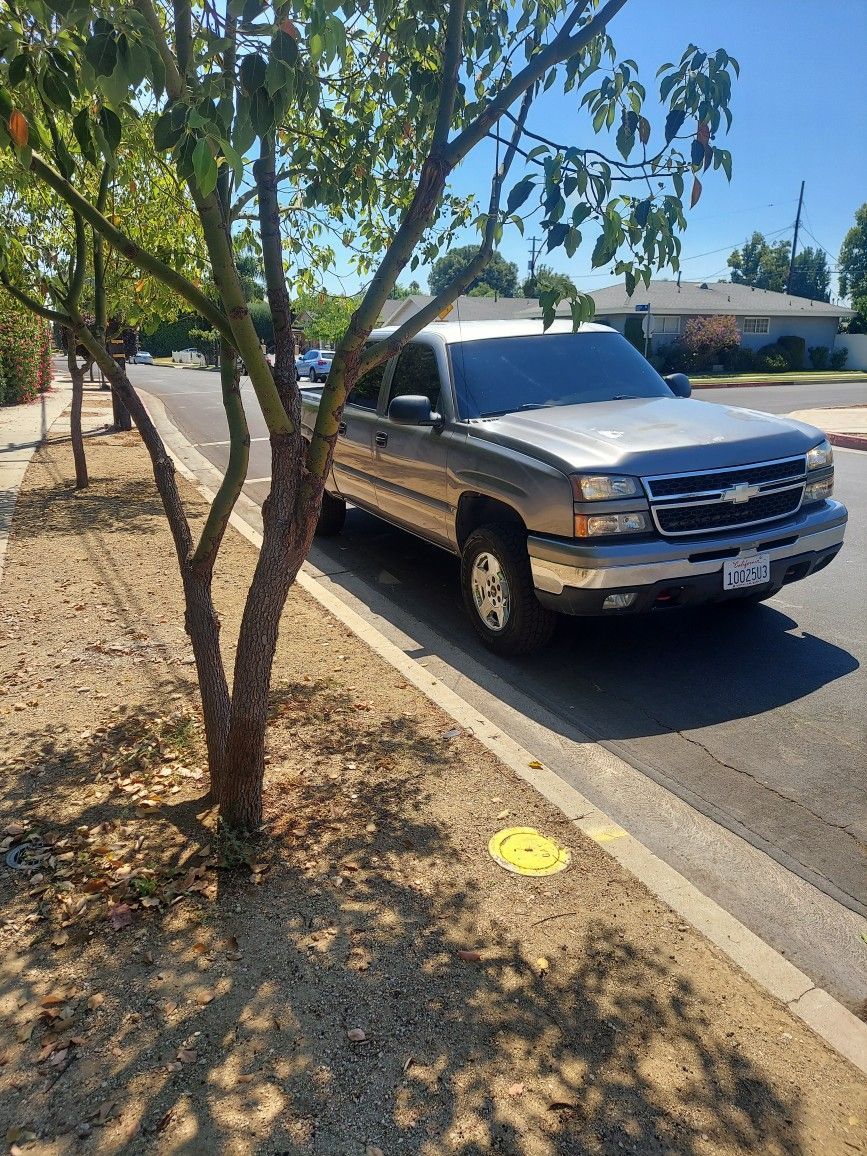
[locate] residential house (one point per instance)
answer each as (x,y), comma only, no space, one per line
(762,316)
(464,309)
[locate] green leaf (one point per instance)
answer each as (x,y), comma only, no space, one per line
(572,241)
(673,124)
(205,167)
(168,129)
(580,213)
(599,118)
(642,211)
(84,136)
(519,194)
(18,70)
(56,91)
(236,161)
(285,48)
(726,162)
(101,54)
(109,122)
(556,236)
(603,251)
(625,141)
(252,73)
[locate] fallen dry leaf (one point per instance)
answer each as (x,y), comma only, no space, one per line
(120,916)
(356,1035)
(373,1150)
(188,1055)
(95,1001)
(204,997)
(60,939)
(470,956)
(516,1089)
(246,1079)
(53,999)
(535,764)
(542,965)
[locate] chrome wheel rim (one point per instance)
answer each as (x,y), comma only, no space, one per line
(491,595)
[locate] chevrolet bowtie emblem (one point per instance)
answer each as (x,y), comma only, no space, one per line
(742,492)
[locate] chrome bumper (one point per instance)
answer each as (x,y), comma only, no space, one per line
(557,565)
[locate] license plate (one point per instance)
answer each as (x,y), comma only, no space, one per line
(742,572)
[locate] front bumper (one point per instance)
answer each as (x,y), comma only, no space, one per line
(576,577)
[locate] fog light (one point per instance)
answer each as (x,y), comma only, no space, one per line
(618,601)
(819,490)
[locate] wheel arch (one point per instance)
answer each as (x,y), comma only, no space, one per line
(476,509)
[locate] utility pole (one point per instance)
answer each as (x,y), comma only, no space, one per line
(531,265)
(795,240)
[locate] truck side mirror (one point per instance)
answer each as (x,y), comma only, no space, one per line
(413,410)
(679,385)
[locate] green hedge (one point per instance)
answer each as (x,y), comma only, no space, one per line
(25,354)
(167,336)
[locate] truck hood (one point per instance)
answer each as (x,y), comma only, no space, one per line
(648,435)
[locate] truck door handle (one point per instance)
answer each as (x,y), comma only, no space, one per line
(341,429)
(381,439)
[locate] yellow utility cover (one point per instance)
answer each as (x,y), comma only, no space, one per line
(443,313)
(526,852)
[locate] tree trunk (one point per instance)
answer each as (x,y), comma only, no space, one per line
(201,621)
(76,372)
(286,537)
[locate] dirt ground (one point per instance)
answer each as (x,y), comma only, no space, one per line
(316,1000)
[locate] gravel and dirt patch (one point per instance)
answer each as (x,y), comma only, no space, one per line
(315,999)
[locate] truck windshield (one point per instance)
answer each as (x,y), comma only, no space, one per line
(506,374)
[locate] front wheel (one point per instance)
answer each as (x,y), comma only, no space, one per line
(498,591)
(331,516)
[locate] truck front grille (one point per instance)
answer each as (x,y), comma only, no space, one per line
(719,500)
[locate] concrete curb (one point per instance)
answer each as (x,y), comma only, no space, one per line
(723,384)
(848,441)
(843,1031)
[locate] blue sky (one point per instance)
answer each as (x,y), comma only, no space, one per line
(800,113)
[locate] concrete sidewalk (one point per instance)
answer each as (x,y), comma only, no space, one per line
(846,426)
(22,429)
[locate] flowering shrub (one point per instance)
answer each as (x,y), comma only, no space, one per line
(705,342)
(25,354)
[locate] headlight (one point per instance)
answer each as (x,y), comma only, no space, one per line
(820,455)
(819,490)
(593,525)
(598,487)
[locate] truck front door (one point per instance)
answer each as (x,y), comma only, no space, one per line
(410,461)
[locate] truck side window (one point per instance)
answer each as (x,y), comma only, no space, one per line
(366,390)
(417,374)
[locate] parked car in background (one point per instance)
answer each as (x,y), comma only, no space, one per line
(142,358)
(314,364)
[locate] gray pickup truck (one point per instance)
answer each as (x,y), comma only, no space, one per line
(571,478)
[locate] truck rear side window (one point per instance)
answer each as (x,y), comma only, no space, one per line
(366,390)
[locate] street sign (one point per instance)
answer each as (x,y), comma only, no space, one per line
(642,308)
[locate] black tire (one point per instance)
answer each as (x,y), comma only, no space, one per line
(526,624)
(331,516)
(311,376)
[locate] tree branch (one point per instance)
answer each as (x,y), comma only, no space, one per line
(174,81)
(33,305)
(561,48)
(130,250)
(392,344)
(451,69)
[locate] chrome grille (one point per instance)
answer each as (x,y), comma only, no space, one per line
(717,500)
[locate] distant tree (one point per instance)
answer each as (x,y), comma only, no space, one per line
(761,265)
(401,292)
(501,275)
(853,258)
(858,323)
(546,278)
(811,276)
(482,290)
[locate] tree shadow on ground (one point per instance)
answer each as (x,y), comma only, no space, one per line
(221,1023)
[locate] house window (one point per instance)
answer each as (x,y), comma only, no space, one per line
(666,324)
(757,324)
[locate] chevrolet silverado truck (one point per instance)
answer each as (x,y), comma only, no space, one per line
(570,478)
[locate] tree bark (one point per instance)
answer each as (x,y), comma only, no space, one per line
(201,622)
(76,372)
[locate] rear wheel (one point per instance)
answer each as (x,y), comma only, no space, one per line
(498,591)
(331,516)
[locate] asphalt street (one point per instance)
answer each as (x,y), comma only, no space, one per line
(745,727)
